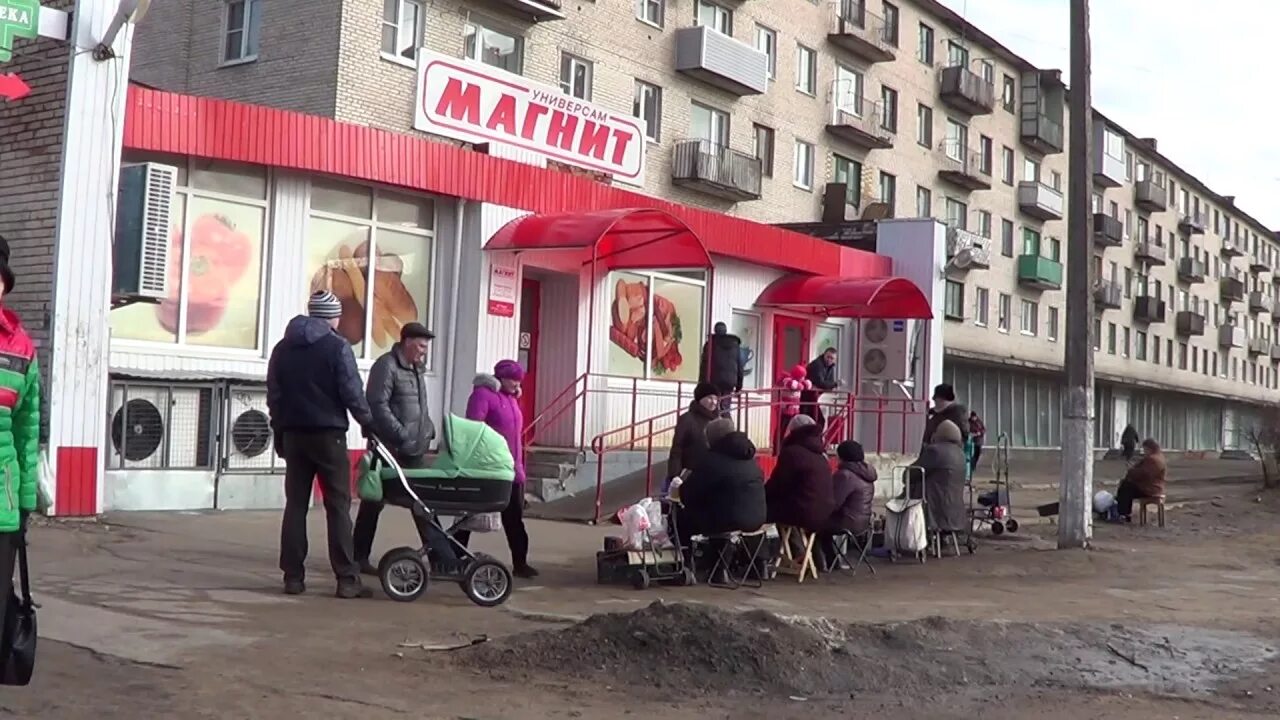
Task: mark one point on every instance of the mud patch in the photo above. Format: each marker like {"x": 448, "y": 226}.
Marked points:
{"x": 684, "y": 647}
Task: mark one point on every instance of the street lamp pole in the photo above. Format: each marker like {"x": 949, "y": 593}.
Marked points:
{"x": 1075, "y": 489}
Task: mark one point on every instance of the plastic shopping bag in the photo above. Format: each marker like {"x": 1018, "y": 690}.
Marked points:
{"x": 635, "y": 523}
{"x": 44, "y": 491}
{"x": 482, "y": 523}
{"x": 369, "y": 480}
{"x": 904, "y": 530}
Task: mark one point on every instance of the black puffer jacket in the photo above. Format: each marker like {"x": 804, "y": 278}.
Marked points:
{"x": 689, "y": 440}
{"x": 725, "y": 492}
{"x": 800, "y": 491}
{"x": 855, "y": 494}
{"x": 397, "y": 393}
{"x": 722, "y": 363}
{"x": 312, "y": 381}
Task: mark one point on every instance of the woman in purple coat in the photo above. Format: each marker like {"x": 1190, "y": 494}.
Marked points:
{"x": 495, "y": 402}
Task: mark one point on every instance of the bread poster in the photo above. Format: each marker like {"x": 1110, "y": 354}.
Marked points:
{"x": 657, "y": 337}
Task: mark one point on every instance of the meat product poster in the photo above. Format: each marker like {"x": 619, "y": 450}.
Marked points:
{"x": 662, "y": 345}
{"x": 502, "y": 286}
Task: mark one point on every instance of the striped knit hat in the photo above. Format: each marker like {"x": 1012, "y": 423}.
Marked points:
{"x": 324, "y": 305}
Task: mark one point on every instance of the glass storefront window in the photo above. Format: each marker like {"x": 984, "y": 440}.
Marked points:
{"x": 215, "y": 262}
{"x": 656, "y": 325}
{"x": 374, "y": 249}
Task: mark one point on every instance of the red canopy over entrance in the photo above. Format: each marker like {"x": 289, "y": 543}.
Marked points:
{"x": 625, "y": 239}
{"x": 888, "y": 298}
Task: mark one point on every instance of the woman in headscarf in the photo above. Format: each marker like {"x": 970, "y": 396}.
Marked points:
{"x": 800, "y": 492}
{"x": 1144, "y": 480}
{"x": 944, "y": 478}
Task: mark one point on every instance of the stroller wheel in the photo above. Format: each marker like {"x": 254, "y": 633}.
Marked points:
{"x": 640, "y": 579}
{"x": 1011, "y": 525}
{"x": 487, "y": 583}
{"x": 403, "y": 574}
{"x": 997, "y": 528}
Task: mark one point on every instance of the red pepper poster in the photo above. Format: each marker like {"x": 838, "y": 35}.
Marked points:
{"x": 655, "y": 328}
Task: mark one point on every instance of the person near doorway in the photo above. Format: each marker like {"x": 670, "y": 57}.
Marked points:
{"x": 1145, "y": 479}
{"x": 19, "y": 437}
{"x": 946, "y": 408}
{"x": 689, "y": 439}
{"x": 397, "y": 395}
{"x": 1128, "y": 442}
{"x": 722, "y": 365}
{"x": 312, "y": 383}
{"x": 821, "y": 373}
{"x": 977, "y": 434}
{"x": 495, "y": 401}
{"x": 791, "y": 388}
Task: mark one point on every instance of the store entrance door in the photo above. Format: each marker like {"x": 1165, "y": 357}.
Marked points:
{"x": 527, "y": 353}
{"x": 790, "y": 348}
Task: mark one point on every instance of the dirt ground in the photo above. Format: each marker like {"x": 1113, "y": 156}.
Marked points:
{"x": 179, "y": 616}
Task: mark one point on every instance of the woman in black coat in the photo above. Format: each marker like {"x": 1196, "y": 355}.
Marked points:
{"x": 725, "y": 490}
{"x": 800, "y": 491}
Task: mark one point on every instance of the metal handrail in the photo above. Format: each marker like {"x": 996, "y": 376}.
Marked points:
{"x": 558, "y": 407}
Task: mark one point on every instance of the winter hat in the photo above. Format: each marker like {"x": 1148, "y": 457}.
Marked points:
{"x": 324, "y": 305}
{"x": 851, "y": 451}
{"x": 799, "y": 421}
{"x": 799, "y": 372}
{"x": 717, "y": 429}
{"x": 704, "y": 389}
{"x": 508, "y": 370}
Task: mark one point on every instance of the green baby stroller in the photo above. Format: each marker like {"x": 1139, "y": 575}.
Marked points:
{"x": 474, "y": 473}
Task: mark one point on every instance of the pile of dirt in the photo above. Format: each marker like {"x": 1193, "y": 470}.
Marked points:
{"x": 697, "y": 648}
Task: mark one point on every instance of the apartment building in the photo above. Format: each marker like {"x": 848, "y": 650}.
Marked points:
{"x": 752, "y": 109}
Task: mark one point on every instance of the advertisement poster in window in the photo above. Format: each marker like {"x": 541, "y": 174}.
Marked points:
{"x": 502, "y": 285}
{"x": 217, "y": 301}
{"x": 340, "y": 258}
{"x": 665, "y": 346}
{"x": 747, "y": 327}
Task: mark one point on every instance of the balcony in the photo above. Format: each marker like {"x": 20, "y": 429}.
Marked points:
{"x": 1107, "y": 294}
{"x": 1258, "y": 265}
{"x": 858, "y": 121}
{"x": 1259, "y": 346}
{"x": 1149, "y": 252}
{"x": 1148, "y": 309}
{"x": 721, "y": 61}
{"x": 715, "y": 170}
{"x": 1260, "y": 302}
{"x": 1231, "y": 289}
{"x": 535, "y": 10}
{"x": 966, "y": 90}
{"x": 1275, "y": 353}
{"x": 1042, "y": 133}
{"x": 1107, "y": 231}
{"x": 860, "y": 33}
{"x": 1231, "y": 336}
{"x": 978, "y": 247}
{"x": 1041, "y": 273}
{"x": 1043, "y": 104}
{"x": 1108, "y": 167}
{"x": 963, "y": 167}
{"x": 1190, "y": 270}
{"x": 1191, "y": 223}
{"x": 1039, "y": 200}
{"x": 1189, "y": 324}
{"x": 1231, "y": 248}
{"x": 1151, "y": 196}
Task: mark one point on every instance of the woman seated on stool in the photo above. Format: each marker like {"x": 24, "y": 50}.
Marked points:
{"x": 800, "y": 492}
{"x": 1145, "y": 479}
{"x": 944, "y": 477}
{"x": 724, "y": 492}
{"x": 854, "y": 485}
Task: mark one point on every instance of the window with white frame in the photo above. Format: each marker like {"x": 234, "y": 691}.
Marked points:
{"x": 953, "y": 301}
{"x": 924, "y": 202}
{"x": 849, "y": 85}
{"x": 957, "y": 213}
{"x": 763, "y": 140}
{"x": 401, "y": 29}
{"x": 494, "y": 48}
{"x": 981, "y": 306}
{"x": 706, "y": 123}
{"x": 216, "y": 296}
{"x": 806, "y": 70}
{"x": 716, "y": 17}
{"x": 1051, "y": 324}
{"x": 647, "y": 105}
{"x": 767, "y": 43}
{"x": 651, "y": 11}
{"x": 1003, "y": 309}
{"x": 746, "y": 325}
{"x": 984, "y": 224}
{"x": 802, "y": 165}
{"x": 957, "y": 144}
{"x": 662, "y": 334}
{"x": 575, "y": 76}
{"x": 375, "y": 250}
{"x": 241, "y": 25}
{"x": 849, "y": 172}
{"x": 1030, "y": 321}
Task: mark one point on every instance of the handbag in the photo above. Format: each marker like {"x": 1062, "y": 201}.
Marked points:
{"x": 18, "y": 646}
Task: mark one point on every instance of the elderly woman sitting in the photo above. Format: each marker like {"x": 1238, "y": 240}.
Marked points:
{"x": 800, "y": 492}
{"x": 725, "y": 489}
{"x": 943, "y": 462}
{"x": 1144, "y": 480}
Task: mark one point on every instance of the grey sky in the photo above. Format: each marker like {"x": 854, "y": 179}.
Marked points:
{"x": 1200, "y": 78}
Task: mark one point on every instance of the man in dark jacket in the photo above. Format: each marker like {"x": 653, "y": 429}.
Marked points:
{"x": 397, "y": 394}
{"x": 689, "y": 439}
{"x": 722, "y": 365}
{"x": 822, "y": 375}
{"x": 312, "y": 383}
{"x": 725, "y": 490}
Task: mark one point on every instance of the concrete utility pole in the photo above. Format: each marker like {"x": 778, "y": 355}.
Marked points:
{"x": 1075, "y": 519}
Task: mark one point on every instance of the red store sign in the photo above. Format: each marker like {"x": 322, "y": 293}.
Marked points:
{"x": 476, "y": 103}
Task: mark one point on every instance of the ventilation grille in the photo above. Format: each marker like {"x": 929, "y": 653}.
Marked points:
{"x": 157, "y": 211}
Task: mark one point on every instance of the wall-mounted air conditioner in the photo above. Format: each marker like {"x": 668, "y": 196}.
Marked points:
{"x": 140, "y": 258}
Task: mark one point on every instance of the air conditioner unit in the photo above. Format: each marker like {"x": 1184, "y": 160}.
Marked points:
{"x": 144, "y": 206}
{"x": 154, "y": 427}
{"x": 882, "y": 357}
{"x": 248, "y": 430}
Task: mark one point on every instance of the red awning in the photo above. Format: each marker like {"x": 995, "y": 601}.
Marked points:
{"x": 625, "y": 239}
{"x": 891, "y": 298}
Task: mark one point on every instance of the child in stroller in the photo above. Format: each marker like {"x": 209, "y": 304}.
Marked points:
{"x": 473, "y": 474}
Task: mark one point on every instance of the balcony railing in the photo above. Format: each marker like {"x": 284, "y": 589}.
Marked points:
{"x": 964, "y": 167}
{"x": 860, "y": 33}
{"x": 1231, "y": 248}
{"x": 1039, "y": 200}
{"x": 1258, "y": 265}
{"x": 1151, "y": 252}
{"x": 722, "y": 61}
{"x": 859, "y": 121}
{"x": 1042, "y": 133}
{"x": 716, "y": 170}
{"x": 1191, "y": 223}
{"x": 1148, "y": 309}
{"x": 1189, "y": 323}
{"x": 978, "y": 247}
{"x": 1260, "y": 302}
{"x": 1275, "y": 352}
{"x": 1039, "y": 272}
{"x": 1231, "y": 336}
{"x": 1150, "y": 195}
{"x": 1231, "y": 289}
{"x": 966, "y": 91}
{"x": 1107, "y": 294}
{"x": 1259, "y": 346}
{"x": 1190, "y": 270}
{"x": 1107, "y": 231}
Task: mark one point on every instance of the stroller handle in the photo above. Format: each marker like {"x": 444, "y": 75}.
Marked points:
{"x": 377, "y": 447}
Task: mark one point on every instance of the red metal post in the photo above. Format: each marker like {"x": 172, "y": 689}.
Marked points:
{"x": 648, "y": 478}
